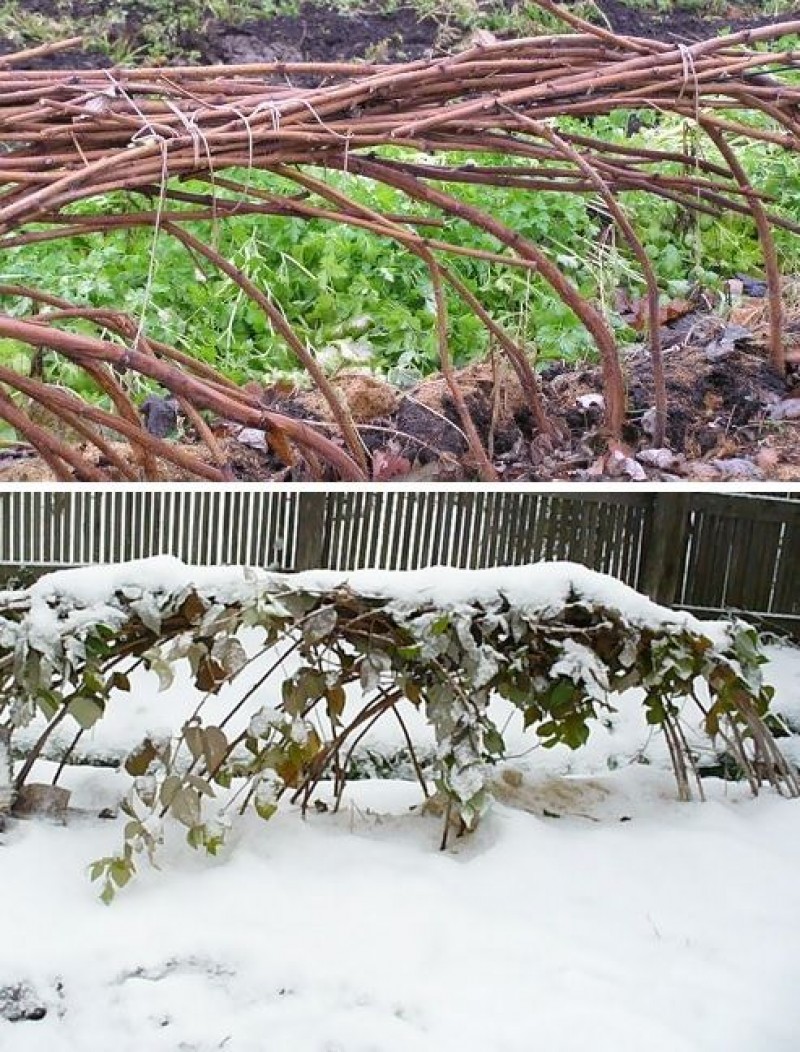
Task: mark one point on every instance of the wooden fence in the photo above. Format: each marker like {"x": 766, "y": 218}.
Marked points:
{"x": 705, "y": 551}
{"x": 76, "y": 527}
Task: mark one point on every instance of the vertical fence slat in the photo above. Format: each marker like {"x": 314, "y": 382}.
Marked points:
{"x": 508, "y": 533}
{"x": 604, "y": 529}
{"x": 740, "y": 566}
{"x": 717, "y": 580}
{"x": 248, "y": 539}
{"x": 524, "y": 550}
{"x": 377, "y": 514}
{"x": 703, "y": 550}
{"x": 7, "y": 538}
{"x": 759, "y": 568}
{"x": 552, "y": 527}
{"x": 666, "y": 540}
{"x": 357, "y": 523}
{"x": 26, "y": 532}
{"x": 365, "y": 513}
{"x": 263, "y": 526}
{"x": 388, "y": 550}
{"x": 786, "y": 596}
{"x": 280, "y": 524}
{"x": 410, "y": 511}
{"x": 419, "y": 534}
{"x": 491, "y": 538}
{"x": 311, "y": 530}
{"x": 700, "y": 561}
{"x": 476, "y": 532}
{"x": 344, "y": 529}
{"x": 187, "y": 534}
{"x": 462, "y": 514}
{"x": 440, "y": 507}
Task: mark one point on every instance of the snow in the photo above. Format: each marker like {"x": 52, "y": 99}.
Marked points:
{"x": 582, "y": 665}
{"x": 674, "y": 931}
{"x": 5, "y": 773}
{"x": 543, "y": 586}
{"x": 630, "y": 922}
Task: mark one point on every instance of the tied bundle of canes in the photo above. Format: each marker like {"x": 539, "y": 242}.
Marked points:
{"x": 76, "y": 136}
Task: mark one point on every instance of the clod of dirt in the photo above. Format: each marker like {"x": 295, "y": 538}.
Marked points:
{"x": 248, "y": 44}
{"x": 432, "y": 432}
{"x": 367, "y": 398}
{"x": 50, "y": 801}
{"x": 19, "y": 1002}
{"x": 253, "y": 465}
{"x": 495, "y": 401}
{"x": 161, "y": 415}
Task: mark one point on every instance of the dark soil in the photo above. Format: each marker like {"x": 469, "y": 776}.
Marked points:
{"x": 319, "y": 33}
{"x": 686, "y": 24}
{"x": 322, "y": 35}
{"x": 315, "y": 33}
{"x": 722, "y": 425}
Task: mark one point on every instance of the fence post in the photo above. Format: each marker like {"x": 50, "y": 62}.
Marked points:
{"x": 665, "y": 547}
{"x": 311, "y": 529}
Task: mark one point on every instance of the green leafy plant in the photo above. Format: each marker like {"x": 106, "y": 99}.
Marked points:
{"x": 337, "y": 283}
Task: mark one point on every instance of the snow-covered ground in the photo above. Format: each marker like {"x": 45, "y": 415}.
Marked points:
{"x": 591, "y": 912}
{"x": 630, "y": 923}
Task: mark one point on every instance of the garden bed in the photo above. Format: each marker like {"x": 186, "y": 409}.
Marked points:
{"x": 534, "y": 205}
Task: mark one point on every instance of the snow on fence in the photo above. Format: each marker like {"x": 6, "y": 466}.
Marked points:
{"x": 705, "y": 551}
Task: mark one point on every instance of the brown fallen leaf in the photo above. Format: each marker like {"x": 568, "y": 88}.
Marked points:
{"x": 767, "y": 459}
{"x": 748, "y": 314}
{"x": 388, "y": 464}
{"x": 637, "y": 317}
{"x": 281, "y": 447}
{"x": 699, "y": 471}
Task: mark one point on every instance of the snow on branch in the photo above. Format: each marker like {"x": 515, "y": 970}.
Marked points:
{"x": 555, "y": 639}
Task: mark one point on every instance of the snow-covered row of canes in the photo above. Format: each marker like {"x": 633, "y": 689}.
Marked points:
{"x": 312, "y": 662}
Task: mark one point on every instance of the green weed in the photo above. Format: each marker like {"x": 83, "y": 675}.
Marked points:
{"x": 358, "y": 299}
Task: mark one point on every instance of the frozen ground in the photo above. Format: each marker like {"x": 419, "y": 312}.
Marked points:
{"x": 629, "y": 923}
{"x": 634, "y": 923}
